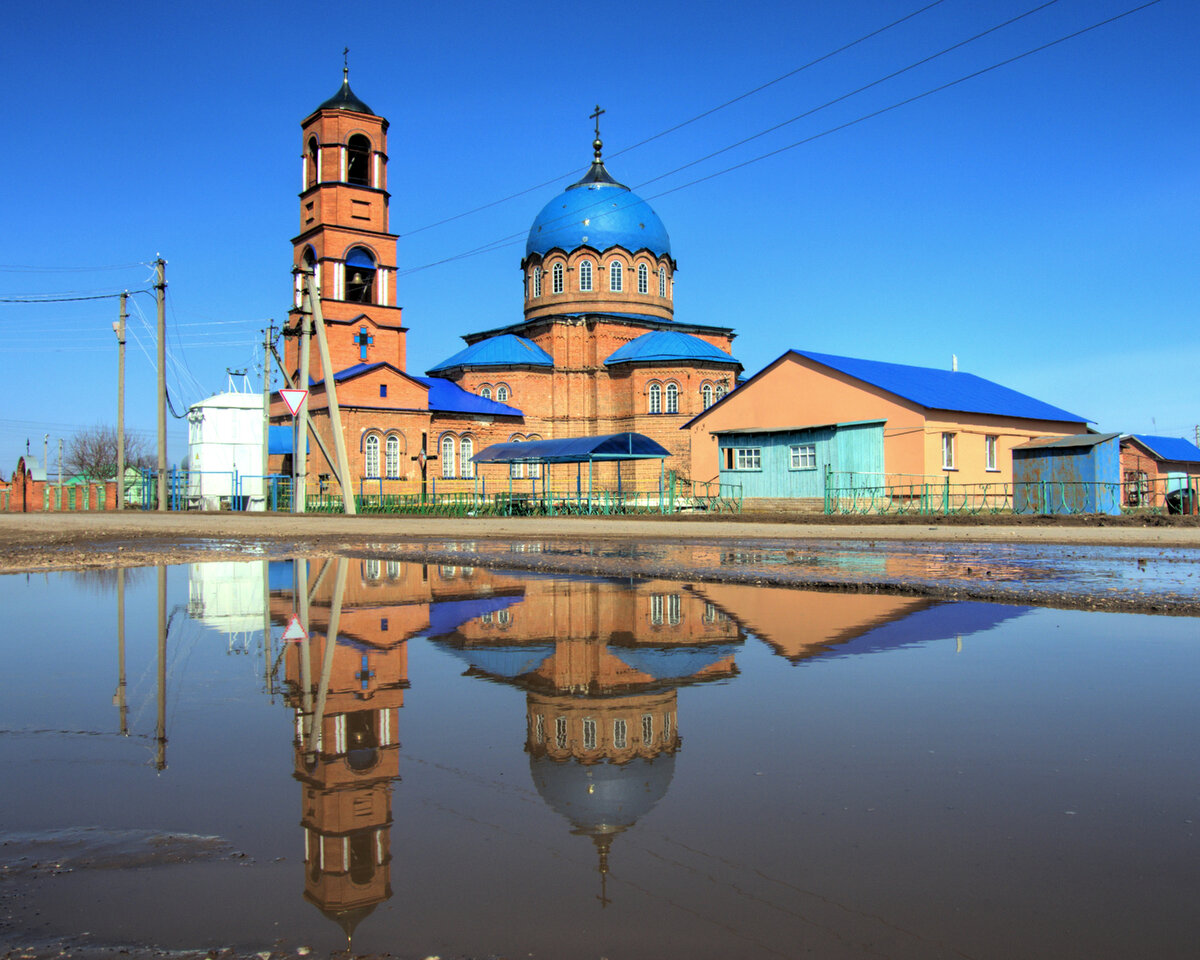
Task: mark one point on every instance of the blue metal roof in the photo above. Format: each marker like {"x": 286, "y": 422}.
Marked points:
{"x": 943, "y": 389}
{"x": 599, "y": 214}
{"x": 667, "y": 346}
{"x": 444, "y": 395}
{"x": 1169, "y": 448}
{"x": 942, "y": 621}
{"x": 446, "y": 616}
{"x": 611, "y": 446}
{"x": 506, "y": 350}
{"x": 674, "y": 662}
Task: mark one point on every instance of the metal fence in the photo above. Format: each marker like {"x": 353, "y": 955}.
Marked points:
{"x": 935, "y": 496}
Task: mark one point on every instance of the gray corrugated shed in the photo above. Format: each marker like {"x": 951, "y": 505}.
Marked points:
{"x": 1080, "y": 440}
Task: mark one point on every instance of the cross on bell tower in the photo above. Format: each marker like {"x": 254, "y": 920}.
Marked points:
{"x": 363, "y": 340}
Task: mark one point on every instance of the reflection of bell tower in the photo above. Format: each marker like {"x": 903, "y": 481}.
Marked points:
{"x": 344, "y": 235}
{"x": 347, "y": 756}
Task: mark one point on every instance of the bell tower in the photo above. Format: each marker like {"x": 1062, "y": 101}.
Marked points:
{"x": 344, "y": 236}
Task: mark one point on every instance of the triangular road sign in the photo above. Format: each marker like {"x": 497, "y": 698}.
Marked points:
{"x": 294, "y": 631}
{"x": 293, "y": 399}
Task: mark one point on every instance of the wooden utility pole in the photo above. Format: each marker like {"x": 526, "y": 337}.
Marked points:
{"x": 335, "y": 413}
{"x": 160, "y": 294}
{"x": 119, "y": 327}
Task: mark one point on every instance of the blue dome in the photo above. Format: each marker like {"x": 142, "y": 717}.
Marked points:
{"x": 600, "y": 213}
{"x": 667, "y": 346}
{"x": 602, "y": 797}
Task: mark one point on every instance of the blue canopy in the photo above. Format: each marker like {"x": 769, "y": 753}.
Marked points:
{"x": 612, "y": 446}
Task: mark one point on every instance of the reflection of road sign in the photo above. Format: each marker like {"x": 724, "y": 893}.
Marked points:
{"x": 294, "y": 631}
{"x": 293, "y": 399}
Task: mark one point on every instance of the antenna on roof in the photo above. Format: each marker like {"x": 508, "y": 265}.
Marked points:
{"x": 954, "y": 362}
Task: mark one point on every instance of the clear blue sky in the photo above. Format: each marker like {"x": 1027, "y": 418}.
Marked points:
{"x": 1039, "y": 221}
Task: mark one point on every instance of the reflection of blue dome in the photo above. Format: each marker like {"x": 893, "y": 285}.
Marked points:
{"x": 600, "y": 798}
{"x": 600, "y": 213}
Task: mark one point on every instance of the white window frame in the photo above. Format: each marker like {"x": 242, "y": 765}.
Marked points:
{"x": 556, "y": 278}
{"x": 643, "y": 279}
{"x": 502, "y": 393}
{"x": 537, "y": 282}
{"x": 674, "y": 609}
{"x": 585, "y": 276}
{"x": 620, "y": 734}
{"x": 391, "y": 457}
{"x": 707, "y": 394}
{"x": 991, "y": 446}
{"x": 616, "y": 276}
{"x": 485, "y": 392}
{"x": 656, "y": 609}
{"x": 662, "y": 281}
{"x": 654, "y": 398}
{"x": 371, "y": 451}
{"x": 948, "y": 451}
{"x": 671, "y": 399}
{"x": 466, "y": 450}
{"x": 560, "y": 732}
{"x": 589, "y": 733}
{"x": 647, "y": 729}
{"x": 803, "y": 456}
{"x": 447, "y": 452}
{"x": 747, "y": 458}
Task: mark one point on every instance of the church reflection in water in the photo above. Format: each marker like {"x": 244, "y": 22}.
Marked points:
{"x": 601, "y": 662}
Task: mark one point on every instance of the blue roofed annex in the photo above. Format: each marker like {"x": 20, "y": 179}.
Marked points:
{"x": 1169, "y": 448}
{"x": 668, "y": 346}
{"x": 944, "y": 389}
{"x": 506, "y": 350}
{"x": 444, "y": 396}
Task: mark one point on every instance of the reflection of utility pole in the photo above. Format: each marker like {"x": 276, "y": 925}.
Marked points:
{"x": 266, "y": 570}
{"x": 160, "y": 737}
{"x": 331, "y": 632}
{"x": 119, "y": 696}
{"x": 300, "y": 581}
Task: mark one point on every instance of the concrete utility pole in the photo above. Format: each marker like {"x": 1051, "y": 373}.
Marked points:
{"x": 60, "y": 446}
{"x": 119, "y": 329}
{"x": 300, "y": 453}
{"x": 335, "y": 413}
{"x": 160, "y": 289}
{"x": 46, "y": 456}
{"x": 268, "y": 336}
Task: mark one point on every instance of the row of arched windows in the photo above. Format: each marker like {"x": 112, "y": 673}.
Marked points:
{"x": 355, "y": 163}
{"x": 587, "y": 282}
{"x": 500, "y": 392}
{"x": 391, "y": 447}
{"x": 464, "y": 449}
{"x": 664, "y": 398}
{"x": 517, "y": 470}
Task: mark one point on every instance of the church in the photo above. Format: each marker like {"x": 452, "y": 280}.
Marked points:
{"x": 597, "y": 351}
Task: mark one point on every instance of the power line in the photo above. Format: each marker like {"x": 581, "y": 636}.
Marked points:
{"x": 25, "y": 268}
{"x": 55, "y": 298}
{"x": 679, "y": 126}
{"x": 511, "y": 239}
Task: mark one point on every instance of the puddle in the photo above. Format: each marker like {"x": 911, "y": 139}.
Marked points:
{"x": 493, "y": 762}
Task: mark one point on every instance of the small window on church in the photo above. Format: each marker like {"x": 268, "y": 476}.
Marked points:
{"x": 556, "y": 279}
{"x": 643, "y": 279}
{"x": 486, "y": 393}
{"x": 448, "y": 457}
{"x": 383, "y": 390}
{"x": 662, "y": 281}
{"x": 616, "y": 277}
{"x": 314, "y": 163}
{"x": 655, "y": 400}
{"x": 672, "y": 398}
{"x": 706, "y": 395}
{"x": 537, "y": 281}
{"x": 392, "y": 457}
{"x": 358, "y": 160}
{"x": 585, "y": 275}
{"x": 360, "y": 276}
{"x": 502, "y": 394}
{"x": 372, "y": 456}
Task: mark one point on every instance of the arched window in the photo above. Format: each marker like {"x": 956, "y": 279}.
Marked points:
{"x": 448, "y": 456}
{"x": 655, "y": 400}
{"x": 486, "y": 393}
{"x": 358, "y": 160}
{"x": 643, "y": 278}
{"x": 662, "y": 281}
{"x": 585, "y": 275}
{"x": 466, "y": 450}
{"x": 615, "y": 276}
{"x": 706, "y": 395}
{"x": 516, "y": 470}
{"x": 391, "y": 457}
{"x": 537, "y": 281}
{"x": 360, "y": 276}
{"x": 672, "y": 398}
{"x": 502, "y": 393}
{"x": 372, "y": 451}
{"x": 556, "y": 278}
{"x": 314, "y": 163}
